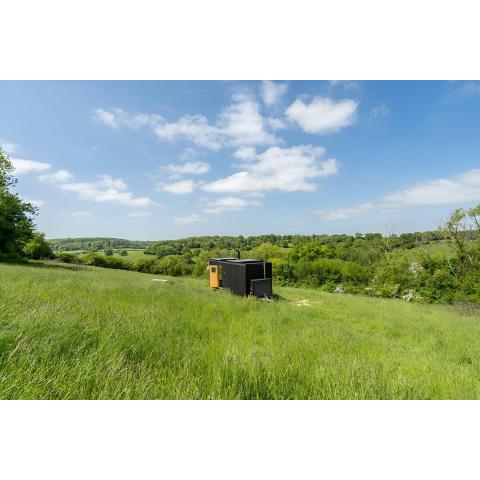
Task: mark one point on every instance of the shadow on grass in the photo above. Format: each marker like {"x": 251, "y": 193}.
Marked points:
{"x": 52, "y": 264}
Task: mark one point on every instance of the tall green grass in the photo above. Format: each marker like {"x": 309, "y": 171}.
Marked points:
{"x": 82, "y": 332}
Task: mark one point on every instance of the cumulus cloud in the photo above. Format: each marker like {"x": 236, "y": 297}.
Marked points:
{"x": 272, "y": 92}
{"x": 105, "y": 189}
{"x": 323, "y": 115}
{"x": 462, "y": 188}
{"x": 285, "y": 169}
{"x": 187, "y": 219}
{"x": 189, "y": 168}
{"x": 106, "y": 181}
{"x": 228, "y": 204}
{"x": 62, "y": 176}
{"x": 22, "y": 166}
{"x": 242, "y": 123}
{"x": 194, "y": 128}
{"x": 181, "y": 187}
{"x": 107, "y": 118}
{"x": 238, "y": 124}
{"x": 117, "y": 117}
{"x": 245, "y": 153}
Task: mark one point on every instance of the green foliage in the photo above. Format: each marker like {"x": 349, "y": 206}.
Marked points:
{"x": 94, "y": 244}
{"x": 67, "y": 257}
{"x": 16, "y": 216}
{"x": 440, "y": 267}
{"x": 267, "y": 251}
{"x": 108, "y": 252}
{"x": 123, "y": 253}
{"x": 37, "y": 247}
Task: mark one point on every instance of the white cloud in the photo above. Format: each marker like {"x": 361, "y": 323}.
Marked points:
{"x": 239, "y": 124}
{"x": 82, "y": 214}
{"x": 9, "y": 147}
{"x": 106, "y": 189}
{"x": 245, "y": 153}
{"x": 118, "y": 117}
{"x": 228, "y": 204}
{"x": 62, "y": 176}
{"x": 344, "y": 213}
{"x": 323, "y": 115}
{"x": 26, "y": 166}
{"x": 462, "y": 188}
{"x": 139, "y": 214}
{"x": 105, "y": 117}
{"x": 189, "y": 168}
{"x": 285, "y": 169}
{"x": 243, "y": 124}
{"x": 192, "y": 218}
{"x": 271, "y": 92}
{"x": 276, "y": 123}
{"x": 194, "y": 128}
{"x": 181, "y": 187}
{"x": 106, "y": 181}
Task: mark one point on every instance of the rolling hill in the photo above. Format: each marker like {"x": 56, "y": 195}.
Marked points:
{"x": 77, "y": 332}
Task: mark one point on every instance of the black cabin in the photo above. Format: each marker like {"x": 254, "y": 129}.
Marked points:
{"x": 241, "y": 276}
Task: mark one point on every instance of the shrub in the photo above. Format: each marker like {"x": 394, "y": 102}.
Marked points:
{"x": 37, "y": 247}
{"x": 67, "y": 257}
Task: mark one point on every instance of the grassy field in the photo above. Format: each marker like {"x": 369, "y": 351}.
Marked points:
{"x": 436, "y": 248}
{"x": 74, "y": 332}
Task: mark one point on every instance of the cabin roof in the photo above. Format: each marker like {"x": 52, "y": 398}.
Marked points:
{"x": 235, "y": 260}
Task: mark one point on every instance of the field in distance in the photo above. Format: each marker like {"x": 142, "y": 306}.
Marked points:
{"x": 71, "y": 331}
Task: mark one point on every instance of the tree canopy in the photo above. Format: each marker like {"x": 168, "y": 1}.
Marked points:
{"x": 16, "y": 216}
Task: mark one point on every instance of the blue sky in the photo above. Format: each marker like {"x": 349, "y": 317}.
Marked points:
{"x": 158, "y": 160}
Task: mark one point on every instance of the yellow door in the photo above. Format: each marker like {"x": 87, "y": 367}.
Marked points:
{"x": 214, "y": 277}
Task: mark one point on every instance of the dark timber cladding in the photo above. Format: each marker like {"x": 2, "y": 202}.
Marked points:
{"x": 242, "y": 277}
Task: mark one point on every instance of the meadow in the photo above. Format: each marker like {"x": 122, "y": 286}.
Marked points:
{"x": 80, "y": 332}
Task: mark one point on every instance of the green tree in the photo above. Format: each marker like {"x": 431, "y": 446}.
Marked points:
{"x": 123, "y": 253}
{"x": 108, "y": 252}
{"x": 37, "y": 247}
{"x": 16, "y": 216}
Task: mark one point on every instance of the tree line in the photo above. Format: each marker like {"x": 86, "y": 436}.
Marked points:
{"x": 402, "y": 266}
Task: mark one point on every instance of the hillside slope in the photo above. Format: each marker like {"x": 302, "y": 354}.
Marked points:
{"x": 83, "y": 332}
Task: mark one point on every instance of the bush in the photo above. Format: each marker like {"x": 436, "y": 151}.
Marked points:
{"x": 108, "y": 252}
{"x": 328, "y": 272}
{"x": 144, "y": 265}
{"x": 37, "y": 247}
{"x": 174, "y": 265}
{"x": 67, "y": 257}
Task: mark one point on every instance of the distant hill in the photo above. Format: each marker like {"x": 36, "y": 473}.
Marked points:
{"x": 94, "y": 243}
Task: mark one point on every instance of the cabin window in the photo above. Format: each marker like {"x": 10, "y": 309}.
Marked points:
{"x": 213, "y": 269}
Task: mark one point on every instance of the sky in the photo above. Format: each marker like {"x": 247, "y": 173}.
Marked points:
{"x": 170, "y": 159}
